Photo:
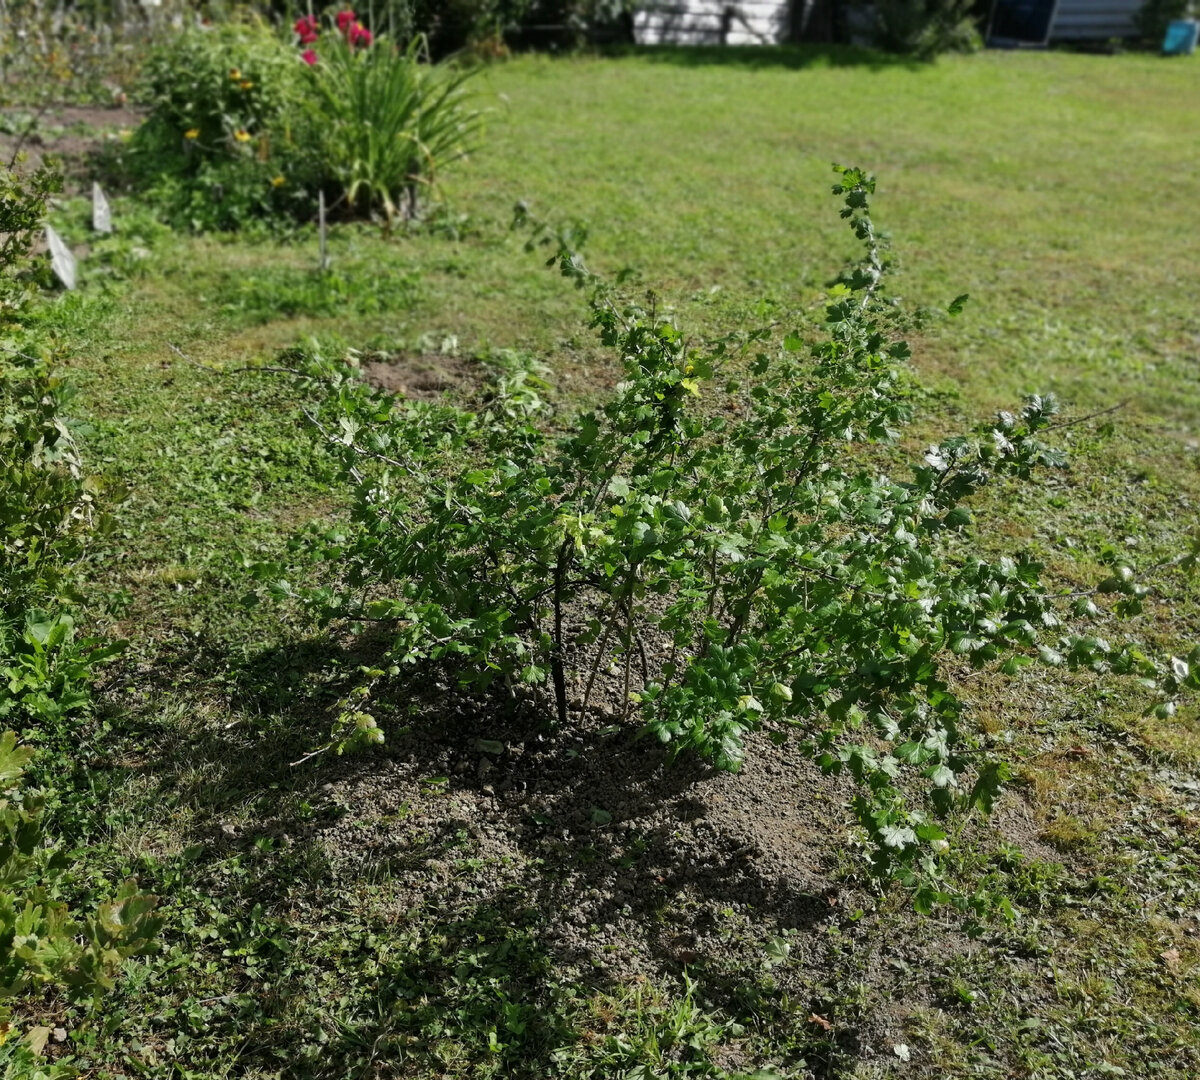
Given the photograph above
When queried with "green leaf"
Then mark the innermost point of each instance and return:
(943, 776)
(989, 784)
(13, 759)
(897, 837)
(715, 510)
(778, 950)
(927, 897)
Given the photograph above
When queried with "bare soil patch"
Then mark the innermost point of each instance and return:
(425, 376)
(71, 133)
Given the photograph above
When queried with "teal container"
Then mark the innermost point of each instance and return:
(1181, 37)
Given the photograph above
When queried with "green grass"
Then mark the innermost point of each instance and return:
(1055, 189)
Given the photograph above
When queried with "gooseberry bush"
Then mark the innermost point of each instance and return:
(713, 540)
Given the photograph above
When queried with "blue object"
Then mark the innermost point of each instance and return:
(1181, 37)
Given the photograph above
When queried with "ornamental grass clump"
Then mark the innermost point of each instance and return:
(713, 547)
(389, 122)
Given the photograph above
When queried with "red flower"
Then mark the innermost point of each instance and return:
(358, 35)
(309, 56)
(307, 28)
(345, 20)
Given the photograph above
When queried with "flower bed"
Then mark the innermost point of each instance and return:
(246, 124)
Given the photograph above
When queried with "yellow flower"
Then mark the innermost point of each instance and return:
(192, 133)
(242, 135)
(277, 181)
(246, 84)
(234, 74)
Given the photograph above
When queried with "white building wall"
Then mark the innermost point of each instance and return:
(711, 22)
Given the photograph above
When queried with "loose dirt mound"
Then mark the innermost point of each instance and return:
(425, 376)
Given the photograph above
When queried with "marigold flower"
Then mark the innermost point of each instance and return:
(235, 74)
(242, 135)
(246, 84)
(309, 56)
(192, 133)
(277, 181)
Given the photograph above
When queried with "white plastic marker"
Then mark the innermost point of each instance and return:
(101, 211)
(321, 232)
(62, 258)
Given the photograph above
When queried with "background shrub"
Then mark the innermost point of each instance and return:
(218, 81)
(924, 28)
(483, 27)
(224, 141)
(228, 137)
(451, 25)
(1154, 16)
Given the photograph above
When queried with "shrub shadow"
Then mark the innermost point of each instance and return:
(540, 856)
(767, 57)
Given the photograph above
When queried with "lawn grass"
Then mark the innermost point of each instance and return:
(1053, 188)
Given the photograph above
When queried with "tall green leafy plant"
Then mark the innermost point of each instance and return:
(46, 503)
(208, 86)
(47, 506)
(23, 198)
(46, 509)
(387, 123)
(43, 944)
(712, 535)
